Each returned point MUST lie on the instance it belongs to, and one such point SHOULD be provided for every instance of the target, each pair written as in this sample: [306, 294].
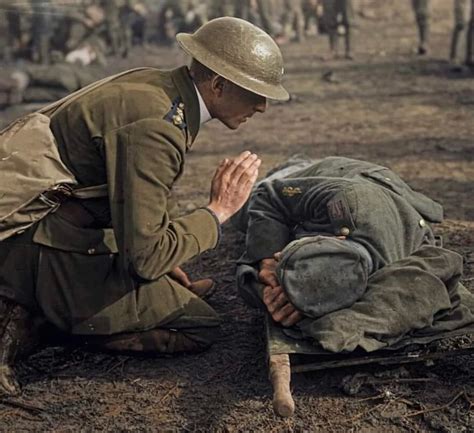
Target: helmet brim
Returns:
[228, 71]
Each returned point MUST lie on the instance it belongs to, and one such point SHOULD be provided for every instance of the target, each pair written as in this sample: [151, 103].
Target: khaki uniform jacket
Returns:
[121, 134]
[105, 265]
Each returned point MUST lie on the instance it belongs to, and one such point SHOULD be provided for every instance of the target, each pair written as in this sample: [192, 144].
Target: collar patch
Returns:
[176, 114]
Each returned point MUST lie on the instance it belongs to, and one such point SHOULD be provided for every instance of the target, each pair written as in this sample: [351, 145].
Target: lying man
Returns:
[343, 249]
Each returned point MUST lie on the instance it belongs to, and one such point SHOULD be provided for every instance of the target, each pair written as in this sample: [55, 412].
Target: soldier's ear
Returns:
[218, 85]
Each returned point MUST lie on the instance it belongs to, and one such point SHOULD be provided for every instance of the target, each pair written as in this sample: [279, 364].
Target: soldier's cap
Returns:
[240, 52]
[321, 274]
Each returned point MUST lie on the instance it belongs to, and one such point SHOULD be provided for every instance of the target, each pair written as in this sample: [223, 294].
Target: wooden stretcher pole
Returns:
[280, 376]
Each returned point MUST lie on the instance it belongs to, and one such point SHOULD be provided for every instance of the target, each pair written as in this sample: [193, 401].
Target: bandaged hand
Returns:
[279, 307]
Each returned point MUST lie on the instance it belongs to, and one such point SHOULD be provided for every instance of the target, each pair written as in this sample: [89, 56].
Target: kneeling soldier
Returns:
[106, 268]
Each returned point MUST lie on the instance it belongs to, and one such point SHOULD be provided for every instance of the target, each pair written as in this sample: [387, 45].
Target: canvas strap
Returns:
[96, 190]
[51, 108]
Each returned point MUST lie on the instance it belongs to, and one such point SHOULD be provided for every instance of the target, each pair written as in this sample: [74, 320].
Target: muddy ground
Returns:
[389, 106]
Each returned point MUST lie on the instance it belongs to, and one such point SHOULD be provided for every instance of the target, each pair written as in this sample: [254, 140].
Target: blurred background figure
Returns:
[338, 18]
[293, 21]
[470, 39]
[171, 20]
[422, 17]
[80, 35]
[46, 83]
[12, 36]
[312, 15]
[115, 32]
[461, 21]
[221, 8]
[462, 17]
[133, 25]
[186, 16]
[258, 12]
[195, 15]
[41, 30]
[86, 32]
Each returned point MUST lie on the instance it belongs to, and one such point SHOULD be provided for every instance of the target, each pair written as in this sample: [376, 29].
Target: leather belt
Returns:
[72, 211]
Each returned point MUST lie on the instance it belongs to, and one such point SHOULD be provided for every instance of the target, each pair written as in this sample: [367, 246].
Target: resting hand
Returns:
[279, 307]
[232, 184]
[267, 274]
[180, 276]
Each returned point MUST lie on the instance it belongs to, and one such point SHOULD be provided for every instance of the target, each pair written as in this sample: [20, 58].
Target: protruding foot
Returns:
[9, 385]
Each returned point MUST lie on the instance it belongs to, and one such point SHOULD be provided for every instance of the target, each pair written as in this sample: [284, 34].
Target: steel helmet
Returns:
[240, 52]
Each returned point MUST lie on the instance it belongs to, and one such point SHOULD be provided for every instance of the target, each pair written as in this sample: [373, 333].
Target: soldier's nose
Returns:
[261, 106]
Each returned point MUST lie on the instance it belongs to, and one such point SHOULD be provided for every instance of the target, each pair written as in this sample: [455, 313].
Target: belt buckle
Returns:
[57, 195]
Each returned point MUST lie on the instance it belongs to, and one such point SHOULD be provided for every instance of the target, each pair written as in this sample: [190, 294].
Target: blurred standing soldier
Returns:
[470, 39]
[310, 12]
[12, 43]
[116, 32]
[41, 30]
[106, 267]
[293, 19]
[265, 14]
[171, 19]
[129, 17]
[461, 20]
[120, 16]
[336, 13]
[195, 15]
[246, 9]
[422, 17]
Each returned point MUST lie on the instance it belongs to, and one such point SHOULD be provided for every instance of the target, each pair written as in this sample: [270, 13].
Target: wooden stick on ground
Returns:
[280, 376]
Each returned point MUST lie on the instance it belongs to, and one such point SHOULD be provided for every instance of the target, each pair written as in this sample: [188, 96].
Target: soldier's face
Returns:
[234, 105]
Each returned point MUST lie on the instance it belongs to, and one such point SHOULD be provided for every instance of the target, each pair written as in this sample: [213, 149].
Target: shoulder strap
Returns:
[97, 190]
[73, 96]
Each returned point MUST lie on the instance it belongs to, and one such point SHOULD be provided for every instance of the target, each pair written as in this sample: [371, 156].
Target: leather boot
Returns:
[152, 341]
[18, 338]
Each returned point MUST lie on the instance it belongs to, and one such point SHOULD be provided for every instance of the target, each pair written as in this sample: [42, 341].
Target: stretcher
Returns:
[287, 355]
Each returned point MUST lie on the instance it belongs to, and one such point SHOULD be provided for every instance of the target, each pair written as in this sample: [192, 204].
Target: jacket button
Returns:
[422, 223]
[91, 251]
[344, 231]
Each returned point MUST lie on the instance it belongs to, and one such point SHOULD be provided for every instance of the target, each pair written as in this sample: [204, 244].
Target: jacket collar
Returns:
[185, 86]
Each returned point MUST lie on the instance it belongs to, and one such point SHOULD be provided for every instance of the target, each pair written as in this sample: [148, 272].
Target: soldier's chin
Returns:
[240, 121]
[232, 123]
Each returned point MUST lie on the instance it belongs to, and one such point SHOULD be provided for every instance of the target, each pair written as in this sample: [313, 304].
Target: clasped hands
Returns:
[232, 183]
[230, 189]
[274, 298]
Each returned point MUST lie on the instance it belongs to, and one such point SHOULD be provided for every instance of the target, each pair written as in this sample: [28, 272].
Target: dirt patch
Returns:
[388, 106]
